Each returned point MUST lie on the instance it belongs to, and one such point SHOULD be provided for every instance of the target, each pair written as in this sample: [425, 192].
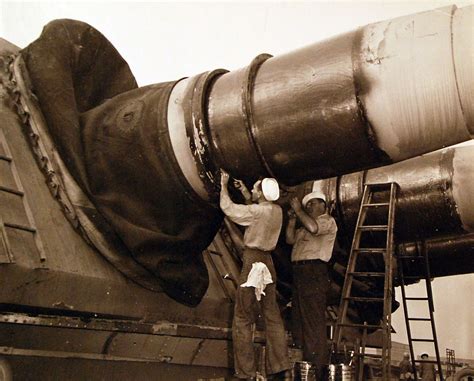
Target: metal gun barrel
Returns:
[434, 206]
[384, 93]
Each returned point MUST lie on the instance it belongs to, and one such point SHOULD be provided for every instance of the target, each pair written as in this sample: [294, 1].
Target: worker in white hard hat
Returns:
[427, 368]
[406, 368]
[313, 243]
[263, 222]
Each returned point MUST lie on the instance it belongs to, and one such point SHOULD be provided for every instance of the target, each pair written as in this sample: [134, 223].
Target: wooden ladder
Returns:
[367, 208]
[427, 298]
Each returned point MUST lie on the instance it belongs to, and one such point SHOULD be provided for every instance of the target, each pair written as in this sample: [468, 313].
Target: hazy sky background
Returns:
[166, 41]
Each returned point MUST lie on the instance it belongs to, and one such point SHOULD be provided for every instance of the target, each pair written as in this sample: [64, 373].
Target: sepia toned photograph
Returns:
[237, 190]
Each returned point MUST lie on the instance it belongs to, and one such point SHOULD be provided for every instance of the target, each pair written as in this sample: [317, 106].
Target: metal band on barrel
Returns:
[197, 129]
[189, 133]
[247, 87]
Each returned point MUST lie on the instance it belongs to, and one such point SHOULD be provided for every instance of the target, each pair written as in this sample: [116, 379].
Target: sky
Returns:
[164, 41]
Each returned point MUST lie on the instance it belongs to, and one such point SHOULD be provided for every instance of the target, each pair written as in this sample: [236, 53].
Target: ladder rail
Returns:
[351, 272]
[344, 303]
[429, 299]
[388, 284]
[431, 309]
[407, 321]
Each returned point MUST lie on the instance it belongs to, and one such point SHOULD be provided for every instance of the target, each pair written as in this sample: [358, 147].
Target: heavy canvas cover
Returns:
[113, 138]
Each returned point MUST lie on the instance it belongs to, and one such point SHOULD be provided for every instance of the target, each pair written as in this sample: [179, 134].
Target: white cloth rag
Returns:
[259, 276]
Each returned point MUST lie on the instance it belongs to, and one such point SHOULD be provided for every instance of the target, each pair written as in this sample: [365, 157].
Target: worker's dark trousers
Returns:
[308, 306]
[276, 348]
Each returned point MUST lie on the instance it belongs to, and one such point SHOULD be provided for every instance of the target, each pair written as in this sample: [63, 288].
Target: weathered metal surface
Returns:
[411, 86]
[10, 351]
[188, 132]
[448, 256]
[434, 207]
[14, 190]
[384, 93]
[117, 325]
[117, 340]
[434, 199]
[48, 368]
[463, 41]
[306, 119]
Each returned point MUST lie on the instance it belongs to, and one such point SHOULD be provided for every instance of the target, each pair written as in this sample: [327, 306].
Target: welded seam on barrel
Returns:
[379, 154]
[446, 167]
[451, 27]
[191, 193]
[199, 142]
[247, 97]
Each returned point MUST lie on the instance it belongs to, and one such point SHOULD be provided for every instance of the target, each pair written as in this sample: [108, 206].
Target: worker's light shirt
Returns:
[315, 246]
[263, 222]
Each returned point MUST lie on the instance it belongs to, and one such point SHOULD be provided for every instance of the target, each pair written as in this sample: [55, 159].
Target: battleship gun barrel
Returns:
[434, 206]
[384, 93]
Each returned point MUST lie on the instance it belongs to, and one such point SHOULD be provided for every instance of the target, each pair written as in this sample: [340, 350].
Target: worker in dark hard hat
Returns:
[406, 368]
[427, 369]
[257, 282]
[313, 243]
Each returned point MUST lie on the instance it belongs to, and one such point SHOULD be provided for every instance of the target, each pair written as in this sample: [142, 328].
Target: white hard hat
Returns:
[313, 195]
[270, 189]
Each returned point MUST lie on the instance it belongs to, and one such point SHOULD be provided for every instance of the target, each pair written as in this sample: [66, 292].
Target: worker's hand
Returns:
[239, 184]
[224, 178]
[295, 204]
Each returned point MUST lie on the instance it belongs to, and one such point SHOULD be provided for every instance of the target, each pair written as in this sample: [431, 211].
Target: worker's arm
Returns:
[239, 184]
[240, 214]
[309, 223]
[291, 228]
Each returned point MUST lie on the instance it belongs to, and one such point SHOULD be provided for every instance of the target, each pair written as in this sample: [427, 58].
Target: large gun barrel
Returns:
[434, 206]
[384, 93]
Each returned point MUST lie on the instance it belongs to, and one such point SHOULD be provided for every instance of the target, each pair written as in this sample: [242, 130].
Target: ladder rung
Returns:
[376, 204]
[372, 355]
[363, 299]
[366, 274]
[423, 340]
[410, 298]
[6, 158]
[411, 277]
[10, 190]
[360, 325]
[373, 227]
[384, 186]
[370, 250]
[410, 257]
[427, 361]
[419, 319]
[20, 227]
